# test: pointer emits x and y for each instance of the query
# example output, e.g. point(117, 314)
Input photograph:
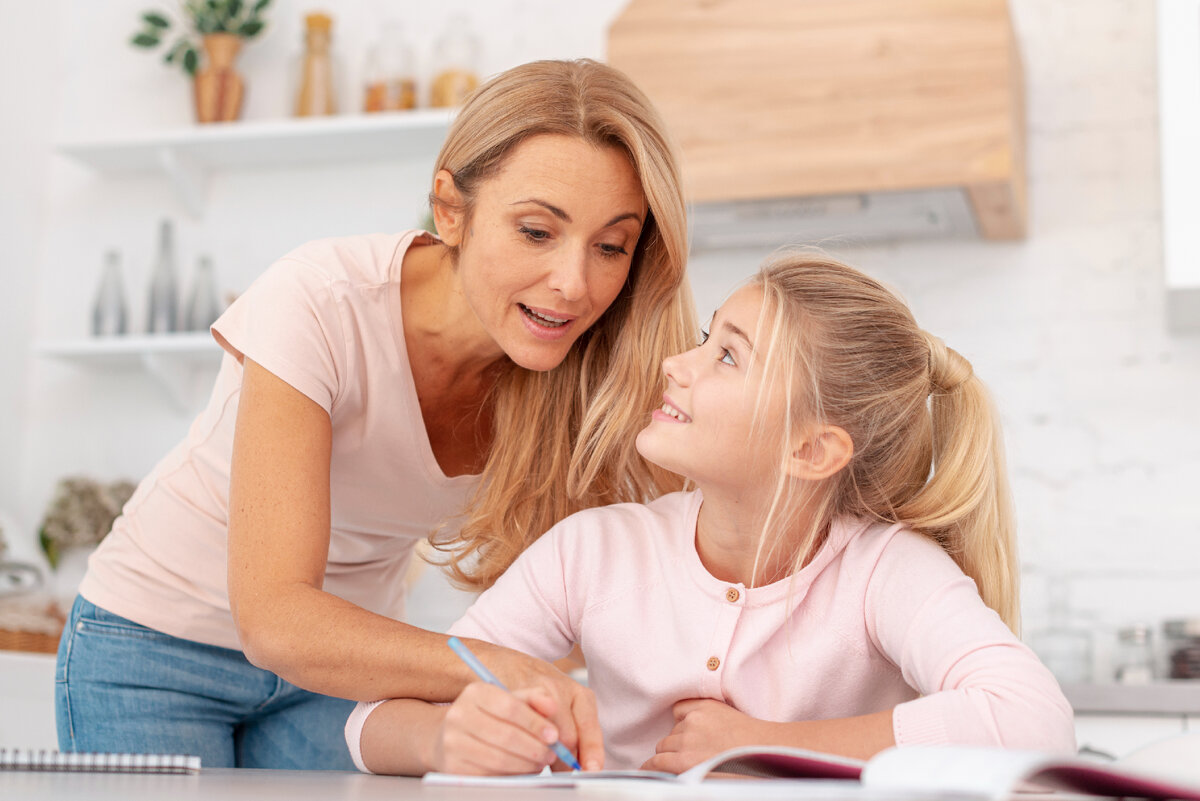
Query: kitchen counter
point(1179, 697)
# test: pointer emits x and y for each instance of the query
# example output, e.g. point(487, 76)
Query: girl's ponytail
point(965, 504)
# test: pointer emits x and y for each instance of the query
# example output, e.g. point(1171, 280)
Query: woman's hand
point(703, 728)
point(490, 731)
point(571, 707)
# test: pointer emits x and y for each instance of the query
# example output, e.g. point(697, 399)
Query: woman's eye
point(612, 251)
point(727, 357)
point(534, 234)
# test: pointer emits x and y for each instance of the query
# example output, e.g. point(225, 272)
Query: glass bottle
point(456, 69)
point(203, 308)
point(389, 73)
point(1063, 646)
point(316, 96)
point(163, 309)
point(1135, 655)
point(110, 315)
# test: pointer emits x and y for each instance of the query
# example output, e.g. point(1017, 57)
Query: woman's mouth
point(543, 319)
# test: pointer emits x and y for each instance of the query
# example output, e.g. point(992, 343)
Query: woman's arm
point(278, 545)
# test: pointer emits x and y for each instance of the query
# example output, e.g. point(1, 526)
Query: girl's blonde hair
point(928, 449)
point(563, 440)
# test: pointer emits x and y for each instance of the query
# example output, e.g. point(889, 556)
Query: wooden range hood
point(795, 100)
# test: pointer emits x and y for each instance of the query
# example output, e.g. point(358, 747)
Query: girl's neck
point(728, 532)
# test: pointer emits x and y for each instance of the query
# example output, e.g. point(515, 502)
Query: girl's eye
point(703, 335)
point(727, 357)
point(534, 234)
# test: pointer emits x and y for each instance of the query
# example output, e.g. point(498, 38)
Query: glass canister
point(110, 315)
point(389, 72)
point(1134, 659)
point(456, 69)
point(1183, 647)
point(1062, 644)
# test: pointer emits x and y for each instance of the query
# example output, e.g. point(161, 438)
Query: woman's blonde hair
point(563, 440)
point(928, 449)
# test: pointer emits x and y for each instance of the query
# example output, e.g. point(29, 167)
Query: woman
point(484, 383)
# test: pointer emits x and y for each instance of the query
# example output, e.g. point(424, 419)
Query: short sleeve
point(287, 321)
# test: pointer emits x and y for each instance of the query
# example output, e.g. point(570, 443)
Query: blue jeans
point(121, 687)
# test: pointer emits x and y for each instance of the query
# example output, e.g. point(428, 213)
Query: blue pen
point(464, 653)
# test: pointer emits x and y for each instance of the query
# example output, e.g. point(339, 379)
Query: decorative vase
point(218, 86)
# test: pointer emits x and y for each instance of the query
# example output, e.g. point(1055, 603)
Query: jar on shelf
point(455, 65)
point(316, 95)
point(389, 74)
point(1183, 647)
point(1063, 645)
point(1134, 658)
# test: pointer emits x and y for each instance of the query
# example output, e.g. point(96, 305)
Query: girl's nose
point(568, 277)
point(676, 368)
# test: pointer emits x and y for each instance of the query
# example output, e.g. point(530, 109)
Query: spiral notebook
point(82, 762)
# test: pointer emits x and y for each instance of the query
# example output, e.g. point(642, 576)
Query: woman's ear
point(447, 215)
point(820, 453)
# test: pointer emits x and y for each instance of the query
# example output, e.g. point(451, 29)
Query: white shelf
point(171, 359)
point(187, 156)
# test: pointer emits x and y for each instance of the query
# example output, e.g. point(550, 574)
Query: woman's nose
point(568, 277)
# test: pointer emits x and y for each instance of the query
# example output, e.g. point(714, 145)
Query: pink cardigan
point(881, 618)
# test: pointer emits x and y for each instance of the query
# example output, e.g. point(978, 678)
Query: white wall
point(1067, 326)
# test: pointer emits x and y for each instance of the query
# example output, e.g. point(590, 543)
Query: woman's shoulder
point(364, 259)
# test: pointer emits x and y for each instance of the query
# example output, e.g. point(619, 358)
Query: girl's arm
point(979, 685)
point(278, 544)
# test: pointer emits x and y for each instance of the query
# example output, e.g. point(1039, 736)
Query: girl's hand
point(490, 731)
point(703, 728)
point(572, 707)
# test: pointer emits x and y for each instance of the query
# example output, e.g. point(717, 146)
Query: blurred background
point(1063, 299)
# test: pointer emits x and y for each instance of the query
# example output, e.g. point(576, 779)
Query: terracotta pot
point(218, 86)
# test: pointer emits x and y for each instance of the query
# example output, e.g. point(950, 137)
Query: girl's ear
point(820, 453)
point(447, 217)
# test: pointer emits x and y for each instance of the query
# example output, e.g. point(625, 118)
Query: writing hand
point(490, 731)
point(574, 706)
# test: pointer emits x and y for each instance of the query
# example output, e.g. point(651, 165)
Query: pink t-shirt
point(881, 618)
point(325, 319)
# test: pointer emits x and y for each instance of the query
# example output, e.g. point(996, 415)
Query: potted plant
point(218, 27)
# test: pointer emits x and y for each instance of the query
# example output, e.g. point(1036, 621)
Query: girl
point(374, 387)
point(843, 578)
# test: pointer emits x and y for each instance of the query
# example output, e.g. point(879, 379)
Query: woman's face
point(549, 245)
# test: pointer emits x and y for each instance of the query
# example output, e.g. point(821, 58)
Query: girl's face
point(705, 429)
point(549, 245)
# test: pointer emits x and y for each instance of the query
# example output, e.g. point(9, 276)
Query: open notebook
point(951, 771)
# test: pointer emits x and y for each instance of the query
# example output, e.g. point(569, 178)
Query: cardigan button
point(732, 595)
point(713, 663)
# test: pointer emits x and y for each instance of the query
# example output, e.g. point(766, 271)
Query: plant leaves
point(154, 19)
point(191, 60)
point(49, 547)
point(233, 9)
point(260, 5)
point(250, 28)
point(144, 40)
